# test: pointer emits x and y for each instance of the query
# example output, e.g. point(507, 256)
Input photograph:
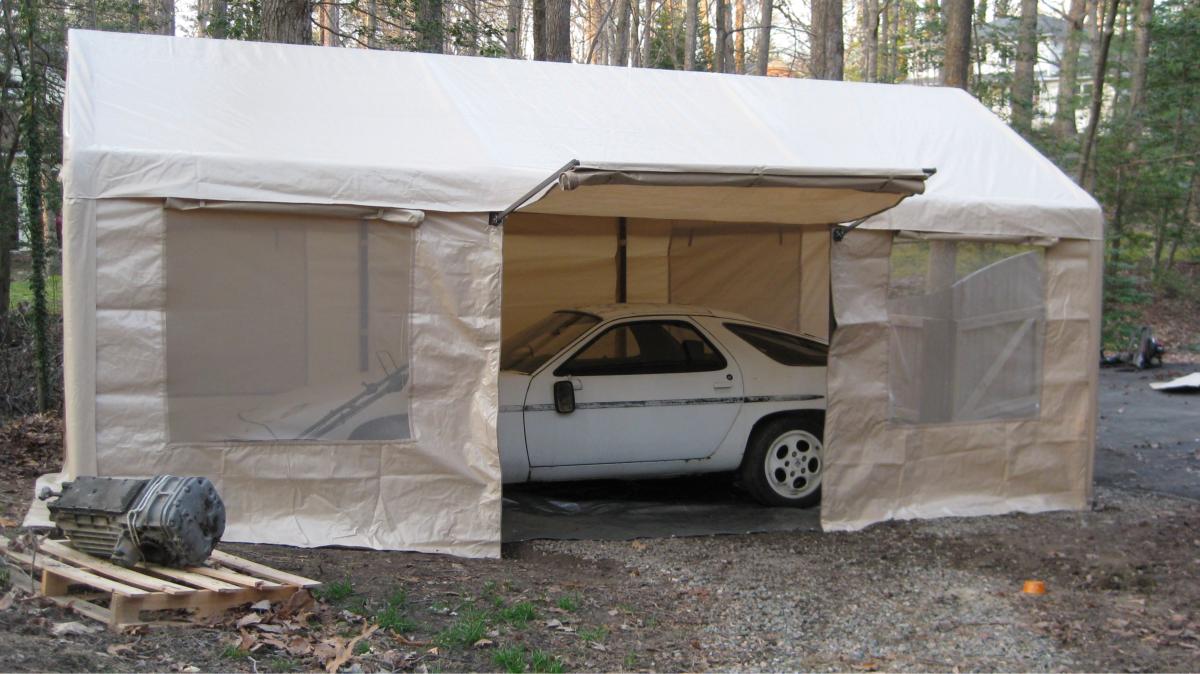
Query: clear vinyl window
point(286, 327)
point(966, 323)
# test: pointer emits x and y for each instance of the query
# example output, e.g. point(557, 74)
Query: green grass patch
point(518, 614)
point(510, 659)
point(21, 292)
point(544, 663)
point(515, 660)
point(470, 627)
point(338, 590)
point(569, 602)
point(596, 634)
point(233, 653)
point(393, 616)
point(394, 619)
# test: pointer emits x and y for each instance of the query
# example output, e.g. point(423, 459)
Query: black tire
point(787, 444)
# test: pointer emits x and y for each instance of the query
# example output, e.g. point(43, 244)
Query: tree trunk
point(9, 219)
point(595, 28)
point(621, 47)
point(558, 30)
point(287, 21)
point(1086, 174)
point(720, 9)
point(1023, 84)
point(164, 16)
point(1141, 54)
point(827, 51)
point(512, 36)
point(373, 24)
point(431, 37)
point(893, 66)
point(885, 40)
point(539, 30)
point(329, 17)
point(647, 32)
point(871, 40)
point(739, 22)
point(218, 19)
point(1064, 107)
point(764, 37)
point(728, 57)
point(690, 19)
point(31, 116)
point(956, 66)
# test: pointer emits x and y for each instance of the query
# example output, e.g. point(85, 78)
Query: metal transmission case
point(168, 520)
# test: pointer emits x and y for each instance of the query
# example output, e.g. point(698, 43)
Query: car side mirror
point(564, 396)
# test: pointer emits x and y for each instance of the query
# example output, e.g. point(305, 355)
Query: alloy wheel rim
point(793, 464)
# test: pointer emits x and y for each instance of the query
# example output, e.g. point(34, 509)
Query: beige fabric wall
point(774, 274)
point(439, 492)
point(556, 262)
point(878, 470)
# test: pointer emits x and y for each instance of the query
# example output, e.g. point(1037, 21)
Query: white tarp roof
point(151, 116)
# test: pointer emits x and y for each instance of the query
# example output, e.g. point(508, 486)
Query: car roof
point(610, 311)
point(607, 312)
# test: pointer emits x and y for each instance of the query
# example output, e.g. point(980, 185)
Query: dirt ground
point(945, 595)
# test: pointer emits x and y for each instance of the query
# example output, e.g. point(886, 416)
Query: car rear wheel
point(784, 463)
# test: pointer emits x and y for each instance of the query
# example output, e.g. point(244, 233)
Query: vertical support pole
point(622, 260)
point(364, 299)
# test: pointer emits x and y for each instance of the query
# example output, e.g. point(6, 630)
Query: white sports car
point(635, 391)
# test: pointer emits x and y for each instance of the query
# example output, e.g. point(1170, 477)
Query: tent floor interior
point(703, 505)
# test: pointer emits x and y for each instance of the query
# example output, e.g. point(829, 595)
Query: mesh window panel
point(966, 323)
point(286, 327)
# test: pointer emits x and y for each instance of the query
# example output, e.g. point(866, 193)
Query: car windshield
point(527, 350)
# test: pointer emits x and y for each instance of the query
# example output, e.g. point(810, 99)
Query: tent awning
point(721, 193)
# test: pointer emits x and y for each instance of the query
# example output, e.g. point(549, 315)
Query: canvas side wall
point(436, 490)
point(775, 274)
point(885, 461)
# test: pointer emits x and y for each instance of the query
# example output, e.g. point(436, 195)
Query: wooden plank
point(53, 585)
point(83, 608)
point(75, 574)
point(202, 582)
point(234, 577)
point(261, 570)
point(207, 603)
point(106, 568)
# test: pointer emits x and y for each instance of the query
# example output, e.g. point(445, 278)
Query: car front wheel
point(784, 463)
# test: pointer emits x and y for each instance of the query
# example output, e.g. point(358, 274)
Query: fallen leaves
point(73, 628)
point(118, 650)
point(347, 650)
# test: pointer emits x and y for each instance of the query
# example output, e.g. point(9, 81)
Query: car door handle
point(576, 384)
point(723, 384)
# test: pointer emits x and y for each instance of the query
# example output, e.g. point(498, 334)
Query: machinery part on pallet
point(167, 520)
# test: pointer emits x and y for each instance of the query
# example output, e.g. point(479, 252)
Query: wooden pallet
point(224, 581)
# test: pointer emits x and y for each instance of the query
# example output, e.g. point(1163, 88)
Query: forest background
point(1108, 89)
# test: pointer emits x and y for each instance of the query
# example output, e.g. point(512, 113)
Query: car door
point(645, 390)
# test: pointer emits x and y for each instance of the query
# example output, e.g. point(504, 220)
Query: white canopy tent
point(253, 231)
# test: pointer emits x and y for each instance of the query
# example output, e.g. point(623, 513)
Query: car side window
point(645, 347)
point(781, 347)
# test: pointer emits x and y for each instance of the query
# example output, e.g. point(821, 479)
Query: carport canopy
point(728, 194)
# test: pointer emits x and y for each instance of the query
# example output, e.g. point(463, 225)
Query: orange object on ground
point(1034, 587)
